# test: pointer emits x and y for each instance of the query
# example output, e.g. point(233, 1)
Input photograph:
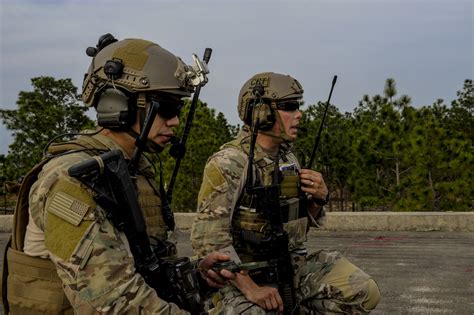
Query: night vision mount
point(197, 73)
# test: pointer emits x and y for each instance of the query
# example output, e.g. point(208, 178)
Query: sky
point(425, 45)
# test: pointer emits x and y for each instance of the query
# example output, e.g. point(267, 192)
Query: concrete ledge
point(6, 222)
point(400, 221)
point(358, 221)
point(381, 221)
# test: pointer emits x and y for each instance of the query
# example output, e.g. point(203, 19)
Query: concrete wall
point(400, 221)
point(359, 221)
point(6, 223)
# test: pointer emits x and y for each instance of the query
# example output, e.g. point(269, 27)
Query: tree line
point(385, 155)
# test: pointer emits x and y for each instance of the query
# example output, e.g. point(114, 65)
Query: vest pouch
point(249, 221)
point(33, 286)
point(289, 186)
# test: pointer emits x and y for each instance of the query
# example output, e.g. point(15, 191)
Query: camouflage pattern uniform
point(93, 259)
point(129, 82)
point(328, 282)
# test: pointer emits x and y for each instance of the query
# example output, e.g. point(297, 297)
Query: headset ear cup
point(265, 115)
point(248, 118)
point(114, 110)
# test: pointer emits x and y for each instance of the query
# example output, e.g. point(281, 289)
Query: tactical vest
point(30, 285)
point(249, 226)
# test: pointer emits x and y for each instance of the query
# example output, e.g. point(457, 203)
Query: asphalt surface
point(417, 272)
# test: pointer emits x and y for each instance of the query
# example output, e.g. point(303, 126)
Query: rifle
point(111, 178)
point(174, 280)
point(273, 247)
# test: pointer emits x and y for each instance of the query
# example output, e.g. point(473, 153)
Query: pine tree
point(52, 108)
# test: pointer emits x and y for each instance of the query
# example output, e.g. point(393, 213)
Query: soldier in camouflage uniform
point(325, 281)
point(66, 256)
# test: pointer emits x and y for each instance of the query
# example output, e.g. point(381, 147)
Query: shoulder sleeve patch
point(70, 202)
point(61, 238)
point(67, 217)
point(213, 180)
point(214, 176)
point(68, 208)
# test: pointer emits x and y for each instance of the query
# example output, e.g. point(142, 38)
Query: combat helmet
point(261, 95)
point(124, 73)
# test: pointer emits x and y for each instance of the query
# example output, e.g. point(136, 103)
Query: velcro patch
point(212, 180)
point(263, 81)
point(68, 208)
point(68, 217)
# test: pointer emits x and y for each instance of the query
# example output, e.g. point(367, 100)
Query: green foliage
point(335, 141)
point(209, 131)
point(460, 116)
point(390, 89)
point(389, 155)
point(52, 108)
point(385, 155)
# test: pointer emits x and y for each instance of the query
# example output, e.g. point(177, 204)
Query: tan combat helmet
point(276, 88)
point(135, 65)
point(125, 74)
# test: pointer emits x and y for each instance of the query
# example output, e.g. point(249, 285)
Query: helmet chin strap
point(282, 134)
point(150, 146)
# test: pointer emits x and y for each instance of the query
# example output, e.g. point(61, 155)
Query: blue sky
point(425, 45)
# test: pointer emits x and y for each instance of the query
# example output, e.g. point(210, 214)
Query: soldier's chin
point(293, 133)
point(286, 137)
point(153, 147)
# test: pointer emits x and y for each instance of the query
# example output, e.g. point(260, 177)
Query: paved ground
point(418, 272)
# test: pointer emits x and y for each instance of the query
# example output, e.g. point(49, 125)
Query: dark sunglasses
point(169, 108)
point(289, 106)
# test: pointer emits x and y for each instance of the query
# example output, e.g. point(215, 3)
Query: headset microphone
point(177, 150)
point(174, 139)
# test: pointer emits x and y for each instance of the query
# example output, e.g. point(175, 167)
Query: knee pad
point(373, 295)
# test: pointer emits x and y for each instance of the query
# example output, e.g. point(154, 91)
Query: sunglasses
point(289, 106)
point(169, 107)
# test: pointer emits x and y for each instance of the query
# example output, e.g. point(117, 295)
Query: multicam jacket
point(223, 183)
point(92, 258)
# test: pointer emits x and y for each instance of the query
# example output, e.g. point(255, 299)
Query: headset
point(114, 110)
point(113, 107)
point(260, 109)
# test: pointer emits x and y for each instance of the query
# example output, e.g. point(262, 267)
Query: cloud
point(425, 45)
